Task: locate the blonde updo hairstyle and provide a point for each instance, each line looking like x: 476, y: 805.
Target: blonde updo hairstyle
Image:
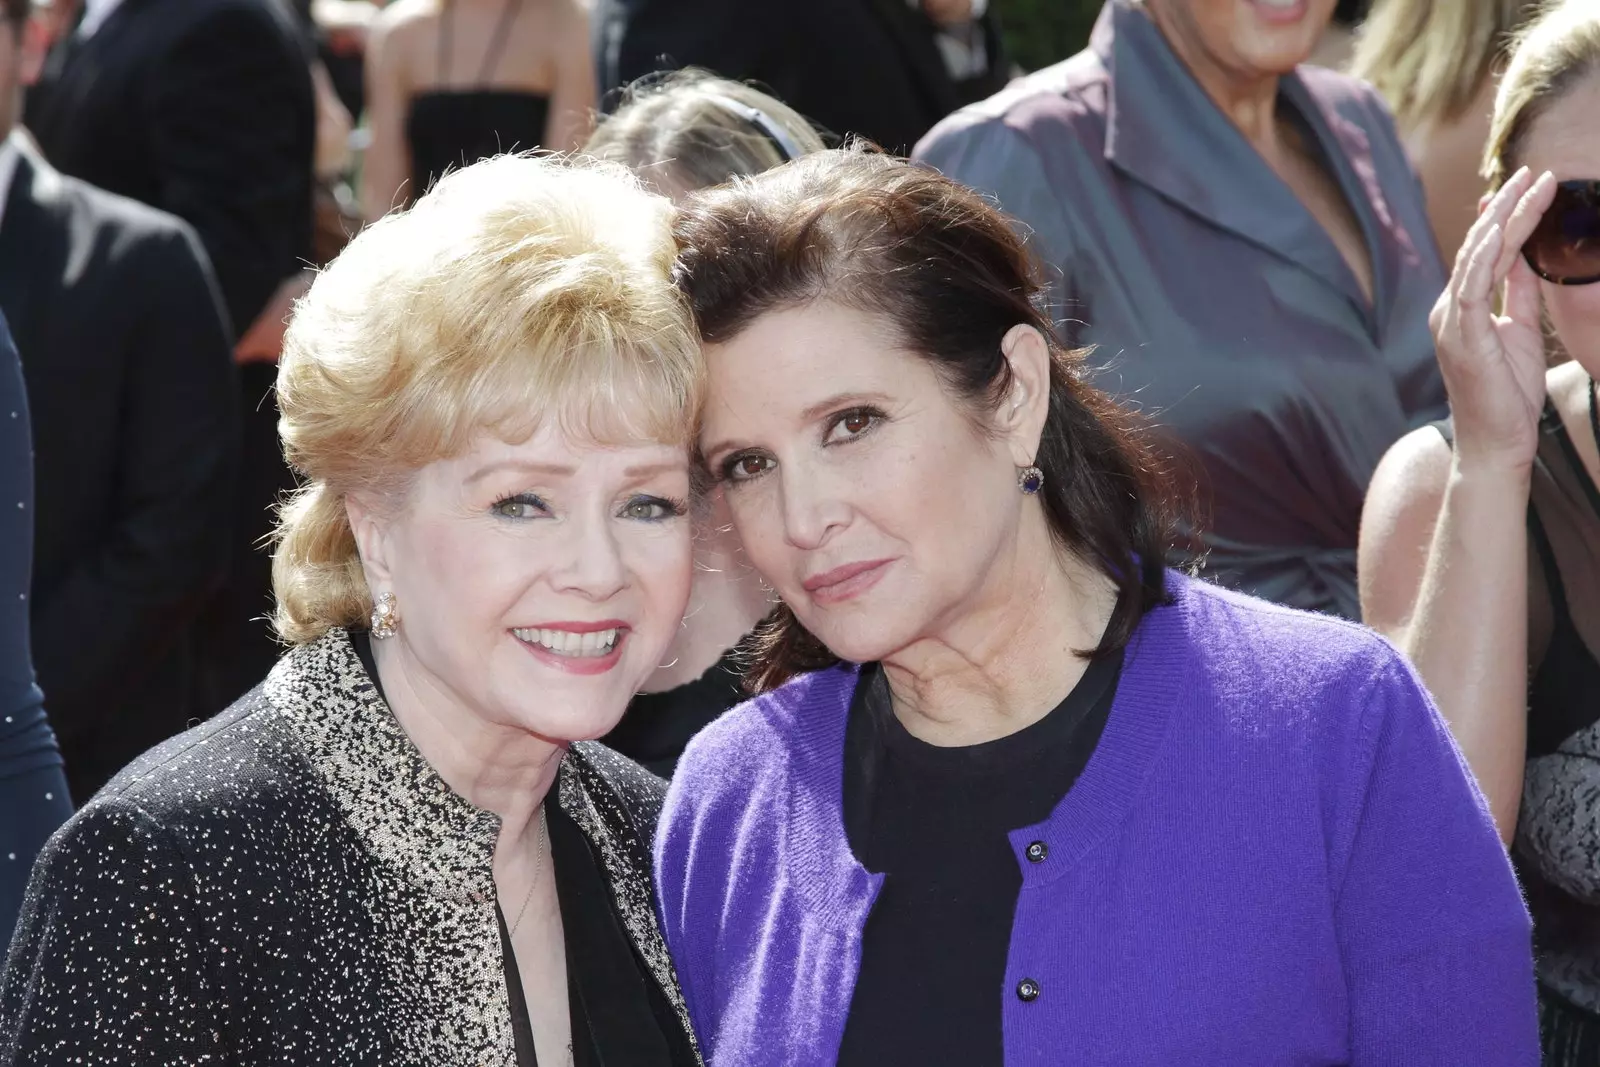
x: 518, y: 289
x: 690, y: 130
x: 1555, y: 52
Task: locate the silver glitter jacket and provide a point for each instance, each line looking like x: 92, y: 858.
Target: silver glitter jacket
x: 292, y: 884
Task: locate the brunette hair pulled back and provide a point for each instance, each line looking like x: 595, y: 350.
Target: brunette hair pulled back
x: 942, y: 267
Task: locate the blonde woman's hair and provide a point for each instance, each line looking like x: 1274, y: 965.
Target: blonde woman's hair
x: 1557, y: 50
x: 1430, y: 58
x: 519, y: 289
x: 691, y: 130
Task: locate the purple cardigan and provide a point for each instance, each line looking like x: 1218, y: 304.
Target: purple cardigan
x: 1276, y: 856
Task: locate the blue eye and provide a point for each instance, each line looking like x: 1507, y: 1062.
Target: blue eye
x: 521, y: 506
x: 653, y: 509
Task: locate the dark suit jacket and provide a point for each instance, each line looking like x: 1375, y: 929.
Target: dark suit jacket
x: 135, y: 418
x: 867, y: 67
x: 203, y: 108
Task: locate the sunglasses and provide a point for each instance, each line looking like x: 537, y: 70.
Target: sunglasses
x: 1565, y: 247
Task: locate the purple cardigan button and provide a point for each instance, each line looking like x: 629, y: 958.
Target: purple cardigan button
x: 1027, y: 990
x: 1037, y: 851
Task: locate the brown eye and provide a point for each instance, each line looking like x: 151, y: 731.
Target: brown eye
x: 857, y: 422
x: 746, y: 466
x: 750, y: 466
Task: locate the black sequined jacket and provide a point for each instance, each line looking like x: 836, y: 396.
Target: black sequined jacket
x: 292, y: 884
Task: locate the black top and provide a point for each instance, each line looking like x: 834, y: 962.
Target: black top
x: 448, y: 129
x: 1557, y: 836
x: 292, y: 883
x: 658, y: 726
x: 935, y: 822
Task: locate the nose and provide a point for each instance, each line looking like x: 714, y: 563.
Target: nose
x: 813, y: 506
x: 593, y: 567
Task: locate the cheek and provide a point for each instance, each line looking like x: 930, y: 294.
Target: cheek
x: 1575, y: 313
x: 757, y: 522
x: 661, y: 563
x: 467, y: 575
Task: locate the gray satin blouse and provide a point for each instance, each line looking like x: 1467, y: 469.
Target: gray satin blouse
x: 1218, y: 304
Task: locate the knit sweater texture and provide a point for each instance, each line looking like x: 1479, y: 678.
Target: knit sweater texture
x: 1276, y: 856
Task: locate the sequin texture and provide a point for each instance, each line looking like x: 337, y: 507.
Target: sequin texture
x: 292, y: 884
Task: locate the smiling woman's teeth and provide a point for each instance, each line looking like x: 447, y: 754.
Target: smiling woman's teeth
x: 567, y: 643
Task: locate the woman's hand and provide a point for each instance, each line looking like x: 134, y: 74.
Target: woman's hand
x: 1494, y: 365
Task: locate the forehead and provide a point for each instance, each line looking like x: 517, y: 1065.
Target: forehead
x: 1566, y: 138
x: 558, y: 449
x: 786, y: 359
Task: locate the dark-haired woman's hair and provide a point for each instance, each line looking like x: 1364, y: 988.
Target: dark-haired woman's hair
x: 945, y: 269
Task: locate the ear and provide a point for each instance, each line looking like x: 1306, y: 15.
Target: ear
x: 372, y: 541
x: 1022, y: 411
x: 35, y: 46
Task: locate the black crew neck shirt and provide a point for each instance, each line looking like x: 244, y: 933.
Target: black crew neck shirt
x: 935, y: 821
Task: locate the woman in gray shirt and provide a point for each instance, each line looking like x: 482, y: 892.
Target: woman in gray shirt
x: 1244, y: 240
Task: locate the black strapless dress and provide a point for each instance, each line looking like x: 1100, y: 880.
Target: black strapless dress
x: 450, y: 128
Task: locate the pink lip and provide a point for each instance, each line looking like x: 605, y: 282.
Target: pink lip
x: 842, y: 583
x: 588, y: 665
x: 1283, y: 16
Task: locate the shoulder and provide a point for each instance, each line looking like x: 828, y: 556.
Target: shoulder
x: 747, y: 757
x: 405, y: 22
x: 636, y: 791
x: 1256, y: 654
x: 1071, y: 94
x: 220, y: 777
x: 1414, y: 469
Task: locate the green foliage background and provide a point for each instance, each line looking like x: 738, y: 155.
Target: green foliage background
x: 1040, y: 32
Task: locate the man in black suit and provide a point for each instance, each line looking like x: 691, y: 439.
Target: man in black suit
x: 128, y: 361
x: 877, y: 68
x: 205, y: 109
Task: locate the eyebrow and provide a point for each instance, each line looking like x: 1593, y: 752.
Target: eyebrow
x: 564, y: 470
x: 810, y: 414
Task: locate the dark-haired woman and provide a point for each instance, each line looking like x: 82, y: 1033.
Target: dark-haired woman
x: 1021, y: 796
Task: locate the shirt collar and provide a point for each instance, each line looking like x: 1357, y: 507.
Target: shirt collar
x: 9, y: 154
x: 1164, y: 131
x: 95, y: 13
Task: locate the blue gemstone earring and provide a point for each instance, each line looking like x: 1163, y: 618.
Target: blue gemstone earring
x: 1030, y: 480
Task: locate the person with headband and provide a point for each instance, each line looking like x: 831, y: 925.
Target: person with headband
x: 402, y: 847
x: 1480, y: 547
x: 681, y: 132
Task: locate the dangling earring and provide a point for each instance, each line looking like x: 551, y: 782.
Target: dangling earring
x: 385, y: 620
x: 1030, y: 480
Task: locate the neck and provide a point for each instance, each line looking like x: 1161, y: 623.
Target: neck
x: 1248, y: 100
x: 497, y: 768
x: 1006, y: 662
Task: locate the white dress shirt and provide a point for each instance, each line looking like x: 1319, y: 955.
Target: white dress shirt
x: 95, y: 13
x: 8, y: 167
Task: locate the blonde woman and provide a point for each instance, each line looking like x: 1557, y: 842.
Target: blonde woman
x: 400, y: 848
x: 681, y: 132
x: 1435, y: 63
x: 1480, y: 546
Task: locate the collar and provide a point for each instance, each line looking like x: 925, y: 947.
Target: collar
x: 95, y: 14
x: 10, y: 152
x: 398, y: 805
x: 812, y: 712
x: 1164, y: 131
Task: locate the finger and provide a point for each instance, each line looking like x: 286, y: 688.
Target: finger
x: 1524, y: 219
x: 1522, y: 295
x: 1474, y: 303
x: 1495, y: 213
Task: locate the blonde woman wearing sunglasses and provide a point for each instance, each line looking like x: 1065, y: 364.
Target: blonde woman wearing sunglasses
x: 1480, y: 546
